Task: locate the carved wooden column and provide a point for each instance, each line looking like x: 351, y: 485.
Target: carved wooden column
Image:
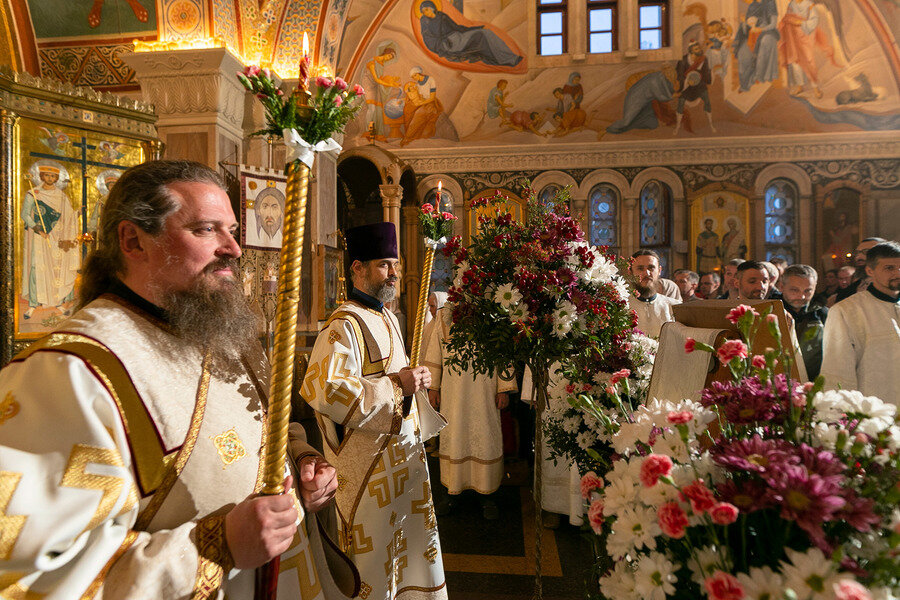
x: 391, y: 197
x: 198, y: 99
x: 7, y: 202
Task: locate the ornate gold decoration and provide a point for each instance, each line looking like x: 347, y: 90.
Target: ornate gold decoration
x: 75, y: 475
x: 422, y: 306
x: 307, y: 577
x: 285, y: 326
x: 361, y: 543
x: 229, y: 446
x: 334, y: 336
x: 342, y: 482
x: 8, y: 408
x: 424, y: 506
x: 215, y: 558
x: 431, y: 553
x: 364, y: 590
x: 397, y: 560
x: 396, y: 453
x: 10, y: 525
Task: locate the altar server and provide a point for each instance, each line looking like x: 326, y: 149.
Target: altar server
x: 861, y: 349
x: 471, y: 451
x: 374, y: 422
x: 131, y: 437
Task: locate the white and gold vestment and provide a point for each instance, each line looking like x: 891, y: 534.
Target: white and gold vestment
x: 120, y: 455
x: 471, y: 450
x: 385, y: 512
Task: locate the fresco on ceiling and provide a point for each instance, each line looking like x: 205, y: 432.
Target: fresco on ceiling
x: 748, y: 67
x: 67, y: 19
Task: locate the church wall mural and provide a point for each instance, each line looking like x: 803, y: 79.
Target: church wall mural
x: 446, y: 76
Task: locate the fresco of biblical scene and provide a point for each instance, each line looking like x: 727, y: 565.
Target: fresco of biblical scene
x: 746, y: 67
x: 719, y: 230
x: 840, y: 222
x: 64, y: 18
x: 262, y: 203
x: 66, y: 177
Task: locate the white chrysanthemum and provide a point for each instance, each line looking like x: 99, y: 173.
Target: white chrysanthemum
x: 586, y: 439
x: 507, y: 296
x: 489, y: 291
x: 872, y: 427
x: 565, y: 311
x: 618, y: 495
x: 620, y: 582
x: 621, y: 288
x: 562, y: 328
x: 631, y: 433
x: 809, y: 574
x: 602, y: 271
x: 670, y: 444
x: 893, y: 441
x: 832, y: 405
x: 641, y: 523
x: 824, y: 435
x: 519, y: 313
x: 704, y: 564
x: 655, y: 577
x: 661, y: 493
x: 761, y: 584
x: 706, y: 469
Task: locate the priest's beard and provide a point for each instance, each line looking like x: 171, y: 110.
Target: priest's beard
x: 381, y: 291
x: 216, y: 317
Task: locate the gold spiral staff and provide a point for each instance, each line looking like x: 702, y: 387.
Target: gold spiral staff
x: 285, y: 328
x: 422, y: 305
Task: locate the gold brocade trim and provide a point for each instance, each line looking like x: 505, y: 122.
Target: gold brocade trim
x: 415, y: 588
x: 369, y: 366
x: 11, y: 589
x: 146, y: 515
x: 8, y: 408
x: 92, y: 589
x: 76, y: 475
x: 10, y: 525
x: 150, y: 457
x: 214, y: 557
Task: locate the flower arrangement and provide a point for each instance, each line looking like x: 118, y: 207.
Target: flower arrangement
x: 534, y: 292
x: 764, y: 489
x: 331, y: 105
x: 436, y: 224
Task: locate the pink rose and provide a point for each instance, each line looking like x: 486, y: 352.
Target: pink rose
x: 722, y: 586
x: 251, y: 71
x: 724, y: 513
x: 358, y: 90
x: 324, y: 82
x: 672, y: 520
x: 595, y: 516
x: 739, y: 311
x: 732, y: 349
x: 701, y: 497
x: 340, y: 84
x: 590, y: 482
x: 679, y: 417
x: 847, y: 589
x: 654, y: 467
x: 690, y: 345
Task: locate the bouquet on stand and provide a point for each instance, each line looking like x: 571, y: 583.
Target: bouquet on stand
x: 765, y: 489
x: 535, y: 293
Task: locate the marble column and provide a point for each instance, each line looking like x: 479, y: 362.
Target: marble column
x: 199, y: 101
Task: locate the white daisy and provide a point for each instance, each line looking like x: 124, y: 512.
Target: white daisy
x: 620, y: 582
x: 809, y: 574
x: 519, y: 313
x: 761, y: 584
x: 655, y: 577
x: 618, y: 495
x: 704, y: 563
x: 507, y: 296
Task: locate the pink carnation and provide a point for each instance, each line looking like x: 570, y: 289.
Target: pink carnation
x: 267, y: 73
x: 758, y: 361
x: 340, y: 84
x: 722, y: 586
x: 679, y: 417
x: 847, y: 589
x: 654, y: 467
x: 739, y: 311
x: 251, y: 71
x: 690, y: 345
x: 672, y: 520
x: 772, y: 318
x: 701, y: 497
x: 427, y: 208
x: 724, y: 513
x: 448, y: 216
x: 619, y: 375
x: 324, y: 82
x: 595, y: 516
x: 358, y: 90
x: 590, y: 482
x: 732, y: 349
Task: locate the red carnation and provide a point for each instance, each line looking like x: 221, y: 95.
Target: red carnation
x: 672, y: 520
x: 739, y: 311
x: 654, y: 467
x: 690, y: 345
x: 722, y: 586
x: 724, y: 513
x: 701, y: 497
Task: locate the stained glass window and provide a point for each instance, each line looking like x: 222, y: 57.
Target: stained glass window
x: 656, y: 210
x: 781, y: 221
x: 548, y: 194
x: 604, y: 206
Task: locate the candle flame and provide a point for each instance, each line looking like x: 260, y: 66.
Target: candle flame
x: 305, y: 45
x: 440, y: 185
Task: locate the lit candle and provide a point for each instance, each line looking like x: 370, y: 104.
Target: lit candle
x: 439, y: 198
x: 303, y: 82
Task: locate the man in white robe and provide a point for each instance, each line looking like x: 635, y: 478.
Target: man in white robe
x: 52, y: 256
x: 131, y: 437
x: 374, y: 418
x: 652, y: 309
x: 861, y: 348
x: 471, y: 452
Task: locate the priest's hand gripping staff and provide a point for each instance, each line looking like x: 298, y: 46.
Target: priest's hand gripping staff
x: 306, y: 122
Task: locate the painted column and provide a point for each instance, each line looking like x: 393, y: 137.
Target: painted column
x: 7, y: 214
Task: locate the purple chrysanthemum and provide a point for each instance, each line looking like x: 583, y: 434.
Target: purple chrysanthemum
x: 750, y: 401
x: 749, y: 496
x: 806, y: 498
x: 754, y: 454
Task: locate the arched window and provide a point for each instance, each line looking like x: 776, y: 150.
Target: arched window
x: 781, y: 220
x: 656, y: 211
x: 547, y: 195
x: 603, y: 200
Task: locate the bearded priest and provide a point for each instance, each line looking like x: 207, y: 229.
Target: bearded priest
x: 374, y: 417
x: 131, y: 437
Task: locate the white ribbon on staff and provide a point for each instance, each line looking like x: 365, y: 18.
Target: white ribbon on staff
x: 434, y: 244
x: 300, y: 149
